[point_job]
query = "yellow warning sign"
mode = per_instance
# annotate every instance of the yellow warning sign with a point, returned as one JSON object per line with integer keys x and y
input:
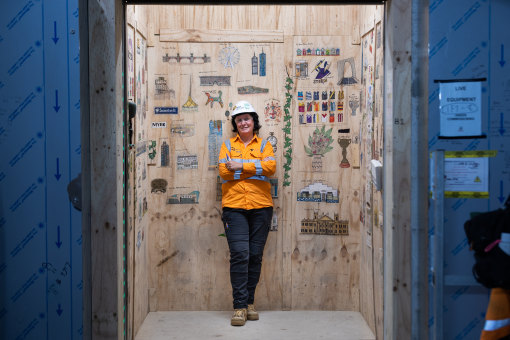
{"x": 470, "y": 154}
{"x": 466, "y": 194}
{"x": 477, "y": 179}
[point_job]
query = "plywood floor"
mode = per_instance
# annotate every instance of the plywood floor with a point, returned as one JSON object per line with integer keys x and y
{"x": 273, "y": 325}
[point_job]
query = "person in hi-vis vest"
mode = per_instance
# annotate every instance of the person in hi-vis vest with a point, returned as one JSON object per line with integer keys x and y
{"x": 245, "y": 163}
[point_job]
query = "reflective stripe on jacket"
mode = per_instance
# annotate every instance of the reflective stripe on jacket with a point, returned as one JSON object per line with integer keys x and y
{"x": 248, "y": 188}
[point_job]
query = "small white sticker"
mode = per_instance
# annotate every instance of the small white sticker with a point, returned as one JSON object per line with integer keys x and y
{"x": 159, "y": 124}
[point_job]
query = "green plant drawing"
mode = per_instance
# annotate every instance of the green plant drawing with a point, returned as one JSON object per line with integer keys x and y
{"x": 319, "y": 142}
{"x": 287, "y": 118}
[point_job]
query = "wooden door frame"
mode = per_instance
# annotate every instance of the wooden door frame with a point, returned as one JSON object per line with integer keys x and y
{"x": 102, "y": 104}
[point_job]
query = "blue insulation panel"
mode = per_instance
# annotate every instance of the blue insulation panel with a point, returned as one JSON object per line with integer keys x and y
{"x": 467, "y": 40}
{"x": 40, "y": 231}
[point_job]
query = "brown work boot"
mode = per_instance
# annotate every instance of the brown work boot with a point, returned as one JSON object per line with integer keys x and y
{"x": 252, "y": 313}
{"x": 239, "y": 317}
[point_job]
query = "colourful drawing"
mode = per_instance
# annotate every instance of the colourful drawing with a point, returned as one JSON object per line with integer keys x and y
{"x": 318, "y": 145}
{"x": 322, "y": 69}
{"x": 214, "y": 142}
{"x": 273, "y": 110}
{"x": 262, "y": 64}
{"x": 251, "y": 90}
{"x": 152, "y": 152}
{"x": 211, "y": 99}
{"x": 324, "y": 225}
{"x": 190, "y": 104}
{"x": 191, "y": 198}
{"x": 318, "y": 192}
{"x": 301, "y": 69}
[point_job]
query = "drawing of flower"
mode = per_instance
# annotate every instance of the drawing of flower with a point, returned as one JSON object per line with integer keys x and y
{"x": 319, "y": 142}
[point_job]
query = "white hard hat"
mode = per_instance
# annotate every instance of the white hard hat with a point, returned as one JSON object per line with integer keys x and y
{"x": 242, "y": 107}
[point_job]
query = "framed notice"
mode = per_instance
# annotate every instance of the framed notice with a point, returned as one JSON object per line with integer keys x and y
{"x": 460, "y": 109}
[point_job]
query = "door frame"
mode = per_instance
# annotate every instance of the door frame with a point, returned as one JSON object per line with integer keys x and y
{"x": 404, "y": 176}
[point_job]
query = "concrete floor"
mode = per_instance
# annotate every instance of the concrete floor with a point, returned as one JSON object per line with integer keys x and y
{"x": 273, "y": 325}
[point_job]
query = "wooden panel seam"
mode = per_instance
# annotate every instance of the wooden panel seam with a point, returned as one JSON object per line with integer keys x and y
{"x": 231, "y": 36}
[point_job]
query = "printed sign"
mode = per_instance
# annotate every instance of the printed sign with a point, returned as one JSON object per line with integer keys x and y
{"x": 460, "y": 107}
{"x": 159, "y": 124}
{"x": 466, "y": 175}
{"x": 166, "y": 110}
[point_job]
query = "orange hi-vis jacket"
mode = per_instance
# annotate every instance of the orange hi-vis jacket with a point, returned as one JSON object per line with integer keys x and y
{"x": 248, "y": 188}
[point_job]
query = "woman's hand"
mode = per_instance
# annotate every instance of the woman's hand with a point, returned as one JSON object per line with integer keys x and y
{"x": 234, "y": 166}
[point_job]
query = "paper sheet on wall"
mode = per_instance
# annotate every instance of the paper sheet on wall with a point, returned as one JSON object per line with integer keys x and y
{"x": 460, "y": 109}
{"x": 466, "y": 175}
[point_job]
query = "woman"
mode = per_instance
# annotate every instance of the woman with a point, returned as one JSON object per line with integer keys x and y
{"x": 245, "y": 163}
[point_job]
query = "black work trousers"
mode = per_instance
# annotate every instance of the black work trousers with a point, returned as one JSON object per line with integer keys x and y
{"x": 246, "y": 232}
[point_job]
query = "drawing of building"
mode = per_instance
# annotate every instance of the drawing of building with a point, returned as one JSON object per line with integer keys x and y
{"x": 318, "y": 192}
{"x": 324, "y": 225}
{"x": 191, "y": 198}
{"x": 165, "y": 154}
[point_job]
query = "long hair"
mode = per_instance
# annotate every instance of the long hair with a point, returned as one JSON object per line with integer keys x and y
{"x": 256, "y": 124}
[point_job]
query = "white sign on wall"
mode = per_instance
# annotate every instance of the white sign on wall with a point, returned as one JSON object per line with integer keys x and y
{"x": 460, "y": 109}
{"x": 159, "y": 124}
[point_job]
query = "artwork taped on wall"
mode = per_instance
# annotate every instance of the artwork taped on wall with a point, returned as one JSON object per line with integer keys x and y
{"x": 189, "y": 198}
{"x": 324, "y": 225}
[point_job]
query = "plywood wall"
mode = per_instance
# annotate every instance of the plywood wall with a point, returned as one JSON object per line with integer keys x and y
{"x": 138, "y": 184}
{"x": 187, "y": 264}
{"x": 371, "y": 275}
